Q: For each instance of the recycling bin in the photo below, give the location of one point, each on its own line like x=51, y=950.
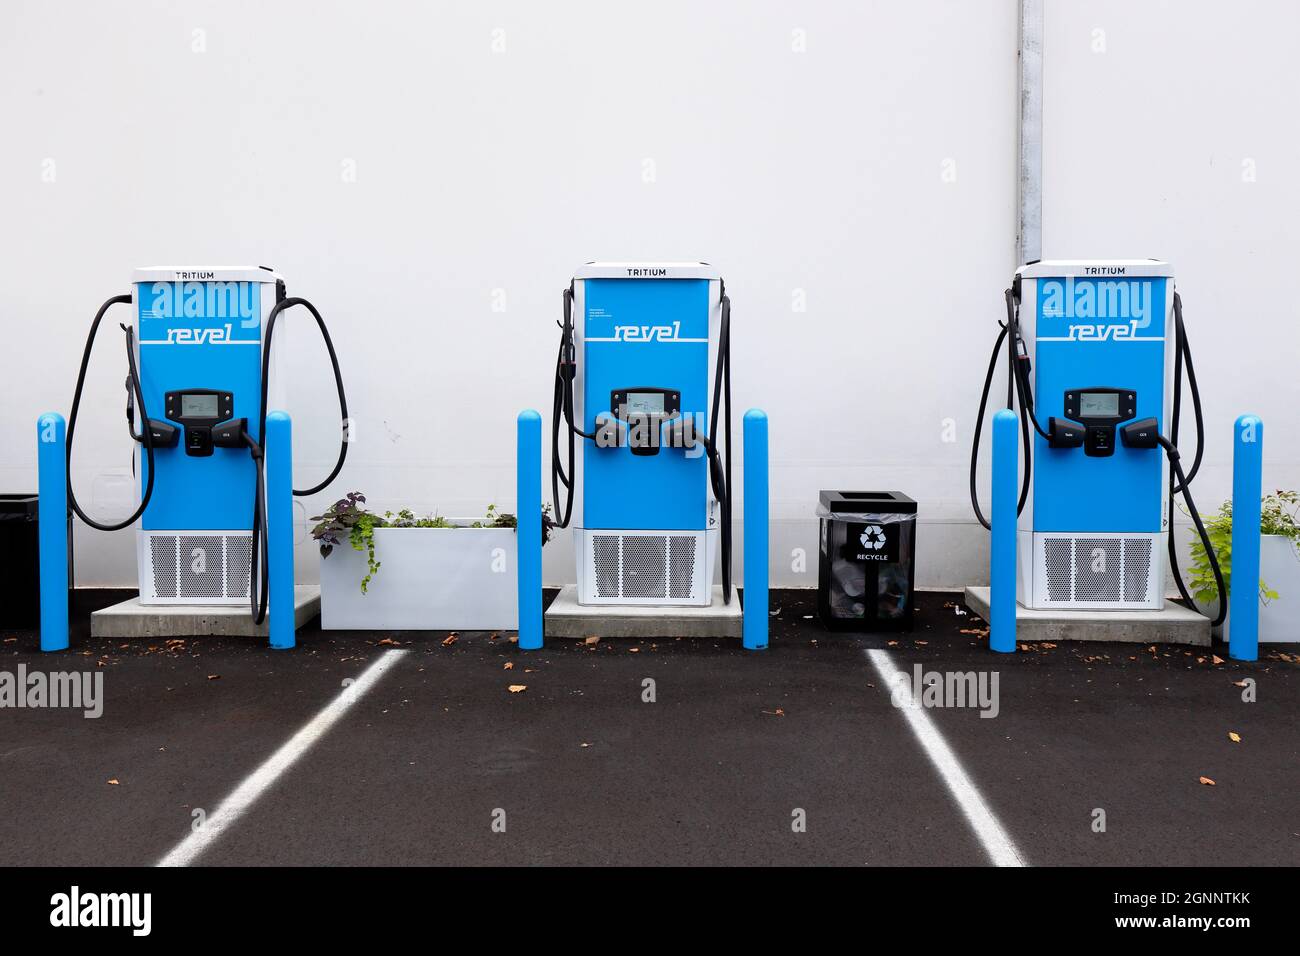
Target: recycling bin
x=20, y=567
x=867, y=560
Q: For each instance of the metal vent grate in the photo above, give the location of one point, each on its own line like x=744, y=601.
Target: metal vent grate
x=201, y=566
x=162, y=557
x=197, y=568
x=645, y=566
x=238, y=551
x=1098, y=571
x=1137, y=569
x=605, y=555
x=1059, y=555
x=681, y=568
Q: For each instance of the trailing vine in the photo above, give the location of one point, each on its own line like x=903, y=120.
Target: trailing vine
x=348, y=518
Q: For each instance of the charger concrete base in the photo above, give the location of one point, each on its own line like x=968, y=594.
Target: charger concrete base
x=1173, y=625
x=131, y=619
x=567, y=618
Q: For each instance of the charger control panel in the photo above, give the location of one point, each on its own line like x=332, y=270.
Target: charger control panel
x=1099, y=409
x=198, y=410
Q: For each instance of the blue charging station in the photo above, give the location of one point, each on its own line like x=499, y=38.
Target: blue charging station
x=1092, y=534
x=200, y=359
x=1096, y=353
x=642, y=378
x=201, y=381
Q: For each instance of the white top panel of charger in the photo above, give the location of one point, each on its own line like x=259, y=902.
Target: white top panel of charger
x=1094, y=268
x=204, y=274
x=646, y=270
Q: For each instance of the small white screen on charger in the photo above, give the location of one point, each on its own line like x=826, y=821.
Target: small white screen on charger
x=645, y=403
x=1098, y=404
x=198, y=406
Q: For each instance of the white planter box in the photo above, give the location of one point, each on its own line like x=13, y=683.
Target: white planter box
x=1279, y=568
x=429, y=579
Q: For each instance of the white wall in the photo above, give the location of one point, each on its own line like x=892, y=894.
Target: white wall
x=1169, y=131
x=873, y=174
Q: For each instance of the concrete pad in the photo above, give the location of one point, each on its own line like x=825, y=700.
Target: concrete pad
x=131, y=619
x=1174, y=625
x=567, y=618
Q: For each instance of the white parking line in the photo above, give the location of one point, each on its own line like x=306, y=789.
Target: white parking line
x=995, y=839
x=261, y=779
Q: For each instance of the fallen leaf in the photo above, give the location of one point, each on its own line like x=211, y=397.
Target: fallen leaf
x=514, y=639
x=1234, y=737
x=1241, y=683
x=508, y=666
x=634, y=650
x=774, y=713
x=449, y=640
x=1216, y=658
x=387, y=641
x=516, y=688
x=593, y=639
x=892, y=643
x=113, y=782
x=922, y=643
x=584, y=745
x=1207, y=781
x=214, y=677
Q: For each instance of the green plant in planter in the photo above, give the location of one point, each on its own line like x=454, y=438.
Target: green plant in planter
x=347, y=517
x=1279, y=515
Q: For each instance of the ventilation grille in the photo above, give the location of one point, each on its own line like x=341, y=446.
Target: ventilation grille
x=645, y=567
x=1098, y=570
x=199, y=567
x=681, y=568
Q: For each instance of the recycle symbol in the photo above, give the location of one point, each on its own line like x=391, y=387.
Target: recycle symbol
x=873, y=537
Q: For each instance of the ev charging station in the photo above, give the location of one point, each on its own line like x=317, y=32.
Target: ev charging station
x=201, y=381
x=1093, y=532
x=643, y=382
x=199, y=354
x=1096, y=366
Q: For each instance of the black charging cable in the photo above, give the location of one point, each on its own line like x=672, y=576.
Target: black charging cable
x=1018, y=389
x=258, y=556
x=1178, y=482
x=720, y=473
x=1144, y=434
x=566, y=369
x=146, y=435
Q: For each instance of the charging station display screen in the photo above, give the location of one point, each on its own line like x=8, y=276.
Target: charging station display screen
x=1099, y=405
x=645, y=403
x=199, y=406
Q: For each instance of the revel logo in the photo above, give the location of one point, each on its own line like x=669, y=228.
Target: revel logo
x=217, y=335
x=1118, y=308
x=648, y=333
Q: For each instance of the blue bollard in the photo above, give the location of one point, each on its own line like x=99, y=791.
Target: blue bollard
x=279, y=530
x=528, y=503
x=52, y=516
x=1002, y=557
x=1247, y=486
x=755, y=610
